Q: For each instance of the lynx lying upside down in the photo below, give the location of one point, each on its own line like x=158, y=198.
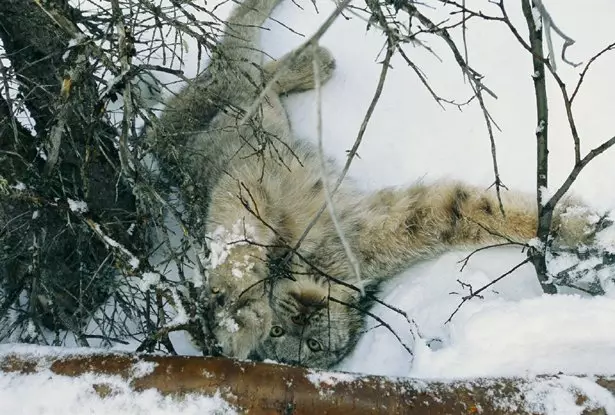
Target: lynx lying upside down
x=258, y=188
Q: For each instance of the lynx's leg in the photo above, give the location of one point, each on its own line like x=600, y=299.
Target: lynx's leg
x=299, y=75
x=399, y=227
x=238, y=217
x=239, y=46
x=240, y=309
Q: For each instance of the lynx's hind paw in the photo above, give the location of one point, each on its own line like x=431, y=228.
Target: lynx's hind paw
x=299, y=75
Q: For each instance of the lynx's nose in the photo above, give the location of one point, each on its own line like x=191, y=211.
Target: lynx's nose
x=308, y=303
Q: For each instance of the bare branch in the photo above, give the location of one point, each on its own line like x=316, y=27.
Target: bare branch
x=477, y=293
x=325, y=177
x=593, y=59
x=355, y=147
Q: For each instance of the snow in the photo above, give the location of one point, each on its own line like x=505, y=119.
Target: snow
x=561, y=397
x=541, y=126
x=320, y=379
x=221, y=239
x=512, y=329
x=411, y=137
x=181, y=317
x=41, y=153
x=78, y=206
x=142, y=368
x=537, y=18
x=545, y=195
x=606, y=238
x=148, y=280
x=19, y=186
x=329, y=378
x=133, y=261
x=45, y=392
x=49, y=394
x=538, y=335
x=227, y=322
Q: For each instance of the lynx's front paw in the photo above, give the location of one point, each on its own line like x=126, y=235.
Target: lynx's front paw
x=239, y=303
x=242, y=326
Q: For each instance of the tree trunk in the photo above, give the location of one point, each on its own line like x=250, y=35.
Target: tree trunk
x=263, y=388
x=545, y=212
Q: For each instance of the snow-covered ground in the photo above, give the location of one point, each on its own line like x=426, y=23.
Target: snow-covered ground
x=513, y=329
x=46, y=393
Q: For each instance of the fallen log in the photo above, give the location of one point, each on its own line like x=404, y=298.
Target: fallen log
x=265, y=388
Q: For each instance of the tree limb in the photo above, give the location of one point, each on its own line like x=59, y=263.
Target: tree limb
x=265, y=388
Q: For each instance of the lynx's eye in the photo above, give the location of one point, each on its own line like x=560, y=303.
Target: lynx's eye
x=314, y=345
x=276, y=331
x=215, y=290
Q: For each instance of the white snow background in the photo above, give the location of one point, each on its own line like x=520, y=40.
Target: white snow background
x=514, y=329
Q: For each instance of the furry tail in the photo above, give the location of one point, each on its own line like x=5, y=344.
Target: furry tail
x=403, y=226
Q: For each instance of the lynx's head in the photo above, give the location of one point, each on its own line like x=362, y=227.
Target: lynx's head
x=312, y=324
x=263, y=310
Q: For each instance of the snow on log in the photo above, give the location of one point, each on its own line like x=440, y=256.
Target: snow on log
x=264, y=388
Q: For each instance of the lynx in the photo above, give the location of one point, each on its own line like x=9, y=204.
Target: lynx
x=257, y=188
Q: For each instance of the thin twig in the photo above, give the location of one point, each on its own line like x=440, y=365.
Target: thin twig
x=355, y=147
x=325, y=177
x=477, y=293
